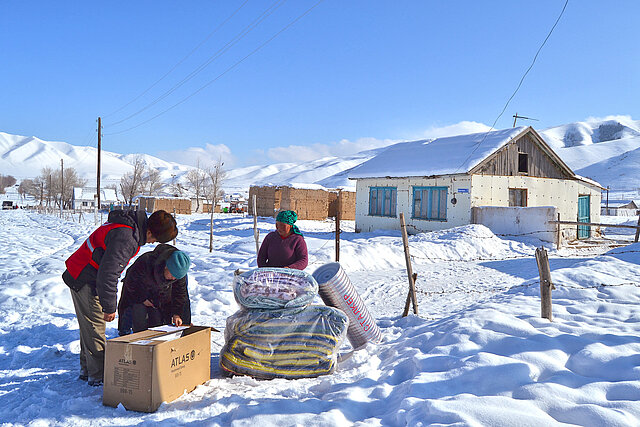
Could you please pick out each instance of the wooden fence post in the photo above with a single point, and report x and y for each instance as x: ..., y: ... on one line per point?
x: 256, y: 232
x: 637, y: 231
x: 338, y: 207
x: 412, y: 277
x: 174, y: 217
x: 545, y: 283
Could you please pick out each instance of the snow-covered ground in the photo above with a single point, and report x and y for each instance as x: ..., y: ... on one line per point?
x: 478, y: 353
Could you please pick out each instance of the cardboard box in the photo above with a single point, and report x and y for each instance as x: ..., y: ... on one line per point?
x: 144, y: 369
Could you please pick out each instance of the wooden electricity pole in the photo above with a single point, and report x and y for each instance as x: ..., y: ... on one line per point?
x: 99, y: 149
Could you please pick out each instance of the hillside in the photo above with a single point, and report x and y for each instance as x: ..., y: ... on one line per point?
x: 606, y: 150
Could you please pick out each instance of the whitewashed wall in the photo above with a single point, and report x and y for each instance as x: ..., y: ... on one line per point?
x: 563, y: 194
x: 484, y: 190
x: 458, y: 214
x: 516, y: 221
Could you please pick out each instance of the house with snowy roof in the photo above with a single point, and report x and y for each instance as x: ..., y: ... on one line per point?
x: 447, y: 182
x: 620, y: 207
x: 85, y: 198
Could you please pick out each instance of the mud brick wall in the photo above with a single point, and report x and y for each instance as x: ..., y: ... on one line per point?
x: 267, y: 200
x: 308, y: 204
x: 348, y: 207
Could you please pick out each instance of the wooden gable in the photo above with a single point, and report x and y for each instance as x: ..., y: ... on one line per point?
x: 526, y: 155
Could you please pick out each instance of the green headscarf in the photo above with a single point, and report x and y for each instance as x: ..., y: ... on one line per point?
x: 289, y: 217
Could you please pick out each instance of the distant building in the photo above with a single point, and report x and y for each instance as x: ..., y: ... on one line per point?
x: 437, y: 184
x: 309, y: 203
x: 620, y: 208
x: 84, y: 198
x: 178, y: 205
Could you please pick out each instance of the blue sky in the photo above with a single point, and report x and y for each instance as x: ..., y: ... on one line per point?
x: 350, y: 75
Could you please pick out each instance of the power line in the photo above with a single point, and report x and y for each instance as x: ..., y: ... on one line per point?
x: 519, y: 84
x: 218, y: 54
x: 179, y: 62
x: 224, y: 72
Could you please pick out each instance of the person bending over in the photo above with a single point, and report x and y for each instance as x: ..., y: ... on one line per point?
x: 92, y: 274
x: 155, y: 290
x: 284, y: 247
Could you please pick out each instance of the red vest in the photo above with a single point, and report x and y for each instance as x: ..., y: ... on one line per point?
x: 84, y: 255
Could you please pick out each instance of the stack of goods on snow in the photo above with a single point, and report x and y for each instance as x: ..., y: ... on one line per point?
x: 277, y: 333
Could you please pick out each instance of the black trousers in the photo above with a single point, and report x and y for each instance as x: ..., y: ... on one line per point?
x: 144, y: 317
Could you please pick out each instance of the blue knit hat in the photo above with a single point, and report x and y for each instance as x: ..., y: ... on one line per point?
x: 178, y: 264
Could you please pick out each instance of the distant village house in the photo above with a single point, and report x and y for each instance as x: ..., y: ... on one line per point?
x: 84, y: 198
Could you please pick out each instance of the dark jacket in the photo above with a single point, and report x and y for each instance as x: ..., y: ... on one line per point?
x: 145, y: 280
x: 121, y: 245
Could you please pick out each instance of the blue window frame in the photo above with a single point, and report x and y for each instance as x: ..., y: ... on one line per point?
x: 430, y: 203
x: 382, y: 201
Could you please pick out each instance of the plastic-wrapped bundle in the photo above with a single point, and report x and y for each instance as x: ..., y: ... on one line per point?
x: 294, y: 343
x: 274, y: 288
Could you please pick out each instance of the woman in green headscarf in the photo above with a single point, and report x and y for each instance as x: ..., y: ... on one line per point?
x: 284, y: 247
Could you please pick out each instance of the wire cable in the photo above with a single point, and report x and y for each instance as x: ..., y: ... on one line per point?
x: 179, y: 62
x: 519, y: 85
x: 218, y: 54
x: 224, y: 72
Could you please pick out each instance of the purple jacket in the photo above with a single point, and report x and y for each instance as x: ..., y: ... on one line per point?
x: 278, y: 252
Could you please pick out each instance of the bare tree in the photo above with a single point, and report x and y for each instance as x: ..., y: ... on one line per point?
x: 29, y: 187
x: 63, y: 191
x: 151, y: 181
x: 45, y: 180
x: 131, y: 182
x: 214, y: 192
x: 6, y: 181
x: 197, y: 179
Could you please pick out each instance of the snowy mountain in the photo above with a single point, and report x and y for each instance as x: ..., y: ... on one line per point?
x: 606, y: 150
x: 24, y: 157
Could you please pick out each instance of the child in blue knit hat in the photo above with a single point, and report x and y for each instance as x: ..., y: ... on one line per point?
x: 155, y: 291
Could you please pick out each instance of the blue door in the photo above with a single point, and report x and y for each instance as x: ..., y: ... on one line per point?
x: 584, y: 215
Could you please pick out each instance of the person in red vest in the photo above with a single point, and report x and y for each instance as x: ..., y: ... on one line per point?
x: 93, y: 272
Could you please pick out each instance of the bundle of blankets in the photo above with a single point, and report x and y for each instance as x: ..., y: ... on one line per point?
x: 277, y: 333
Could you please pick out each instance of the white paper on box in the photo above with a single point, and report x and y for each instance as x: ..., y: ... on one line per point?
x: 141, y: 342
x: 169, y: 337
x: 168, y: 328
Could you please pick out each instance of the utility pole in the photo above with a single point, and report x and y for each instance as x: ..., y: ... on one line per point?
x: 516, y: 117
x: 99, y: 148
x: 61, y: 184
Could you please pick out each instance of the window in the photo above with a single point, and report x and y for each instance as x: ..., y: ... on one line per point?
x: 523, y: 163
x: 430, y: 203
x: 518, y: 197
x: 382, y: 201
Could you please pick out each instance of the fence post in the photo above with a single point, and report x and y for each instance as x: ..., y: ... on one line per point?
x: 174, y: 217
x: 637, y: 230
x: 256, y: 232
x: 412, y: 277
x: 545, y: 283
x: 338, y: 207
